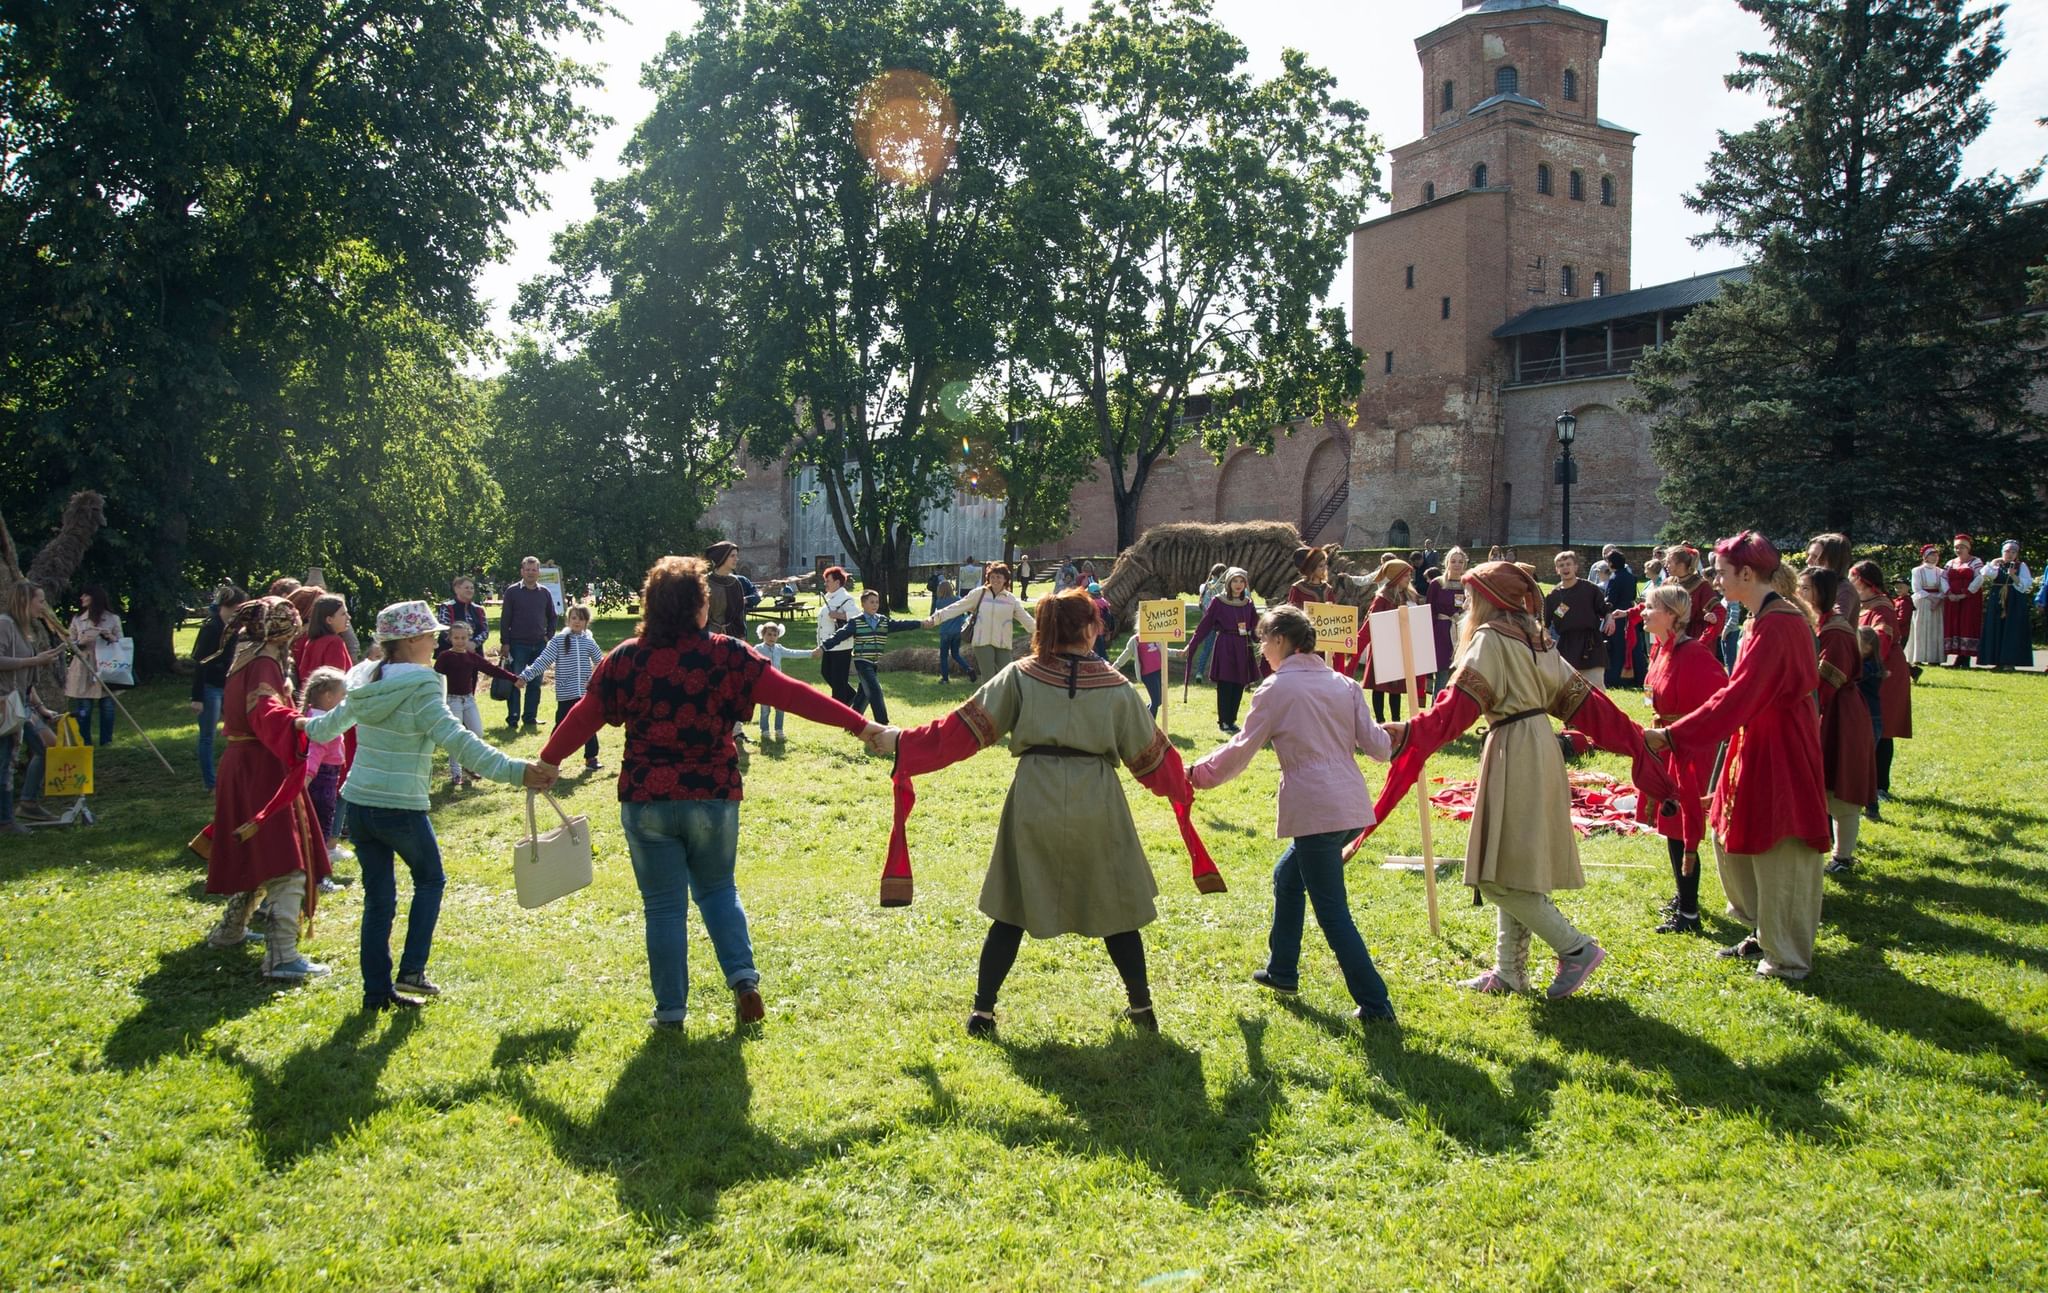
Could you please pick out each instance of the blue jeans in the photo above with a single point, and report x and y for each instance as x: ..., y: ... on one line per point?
x: 869, y: 688
x: 682, y: 847
x: 209, y: 726
x: 379, y: 833
x: 32, y: 775
x: 1314, y: 865
x: 524, y: 654
x: 949, y: 651
x: 82, y: 711
x: 1153, y: 686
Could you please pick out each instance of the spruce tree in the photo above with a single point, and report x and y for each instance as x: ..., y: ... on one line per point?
x: 1874, y: 373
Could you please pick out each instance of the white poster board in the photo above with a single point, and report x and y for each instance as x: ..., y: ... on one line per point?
x: 551, y: 579
x: 1390, y: 646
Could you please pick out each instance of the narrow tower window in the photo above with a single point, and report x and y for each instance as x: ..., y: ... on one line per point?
x: 1571, y: 86
x: 1411, y: 278
x: 1479, y: 176
x: 1599, y: 282
x: 1429, y: 192
x: 1567, y: 281
x: 1578, y: 187
x: 1507, y: 81
x: 1606, y: 190
x: 1447, y: 307
x: 1543, y: 179
x: 1450, y: 96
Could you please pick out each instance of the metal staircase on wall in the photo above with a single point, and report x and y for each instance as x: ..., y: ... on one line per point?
x: 1334, y: 499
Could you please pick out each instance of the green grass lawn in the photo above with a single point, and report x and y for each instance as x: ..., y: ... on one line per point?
x: 174, y: 1122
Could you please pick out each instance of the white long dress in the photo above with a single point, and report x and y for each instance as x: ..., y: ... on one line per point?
x: 1930, y: 593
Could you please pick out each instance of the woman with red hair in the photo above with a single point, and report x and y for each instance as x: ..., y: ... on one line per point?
x: 1067, y: 858
x: 1770, y: 811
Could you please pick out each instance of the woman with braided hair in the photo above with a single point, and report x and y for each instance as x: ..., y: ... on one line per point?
x: 255, y: 851
x: 1066, y: 858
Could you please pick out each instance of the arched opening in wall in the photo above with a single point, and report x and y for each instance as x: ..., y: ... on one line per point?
x: 1429, y: 192
x: 1571, y: 86
x: 1245, y: 490
x: 1397, y: 535
x: 1479, y: 176
x: 1404, y: 450
x: 1507, y: 81
x: 1543, y: 179
x: 1325, y: 473
x: 1606, y: 190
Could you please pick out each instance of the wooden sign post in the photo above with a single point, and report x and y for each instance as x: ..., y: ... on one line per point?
x: 1163, y: 623
x: 1404, y: 651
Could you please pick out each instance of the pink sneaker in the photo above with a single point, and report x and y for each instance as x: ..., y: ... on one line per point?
x: 1574, y: 970
x: 1489, y: 982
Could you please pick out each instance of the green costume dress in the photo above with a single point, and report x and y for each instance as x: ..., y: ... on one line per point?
x: 1067, y: 858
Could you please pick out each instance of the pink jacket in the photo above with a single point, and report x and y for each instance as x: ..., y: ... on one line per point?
x: 330, y: 753
x: 1318, y: 722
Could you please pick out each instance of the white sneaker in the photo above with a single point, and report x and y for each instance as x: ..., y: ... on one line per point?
x: 336, y: 853
x: 329, y: 885
x: 296, y: 969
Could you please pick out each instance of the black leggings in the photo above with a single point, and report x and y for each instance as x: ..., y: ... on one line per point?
x: 837, y: 665
x: 1688, y: 885
x: 999, y: 953
x: 1229, y: 695
x: 1392, y: 700
x: 1885, y: 750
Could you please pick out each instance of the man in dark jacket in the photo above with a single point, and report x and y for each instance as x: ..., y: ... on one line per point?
x: 526, y: 620
x: 1621, y: 594
x: 210, y: 677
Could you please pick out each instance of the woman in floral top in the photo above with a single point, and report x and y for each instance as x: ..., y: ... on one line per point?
x: 679, y: 691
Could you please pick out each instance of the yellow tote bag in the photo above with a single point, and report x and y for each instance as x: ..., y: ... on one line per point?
x: 67, y: 766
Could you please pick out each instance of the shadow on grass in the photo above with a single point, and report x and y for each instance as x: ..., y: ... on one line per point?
x: 1141, y: 1096
x: 1785, y: 1093
x: 321, y: 1091
x: 191, y: 991
x: 1460, y: 1098
x: 674, y: 1132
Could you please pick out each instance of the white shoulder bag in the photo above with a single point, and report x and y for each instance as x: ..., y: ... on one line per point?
x: 546, y: 867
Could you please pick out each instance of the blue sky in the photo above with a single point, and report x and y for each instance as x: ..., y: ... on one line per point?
x: 1661, y: 76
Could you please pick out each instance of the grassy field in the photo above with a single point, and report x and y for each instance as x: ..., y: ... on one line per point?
x: 174, y: 1122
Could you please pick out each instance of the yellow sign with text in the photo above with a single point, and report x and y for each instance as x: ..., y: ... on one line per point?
x: 1164, y: 621
x: 1336, y: 626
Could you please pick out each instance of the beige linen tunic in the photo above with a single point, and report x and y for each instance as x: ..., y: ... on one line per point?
x: 1067, y: 859
x: 1522, y: 811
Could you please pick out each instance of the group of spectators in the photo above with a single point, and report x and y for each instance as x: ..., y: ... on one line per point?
x: 47, y: 670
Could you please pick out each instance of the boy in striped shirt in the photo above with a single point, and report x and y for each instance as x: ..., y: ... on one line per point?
x: 575, y: 655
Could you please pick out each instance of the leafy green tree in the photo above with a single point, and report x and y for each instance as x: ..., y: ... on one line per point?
x: 855, y: 182
x: 1215, y: 211
x: 600, y: 490
x: 200, y: 197
x: 1873, y: 376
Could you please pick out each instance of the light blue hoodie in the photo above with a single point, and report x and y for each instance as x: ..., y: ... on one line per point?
x: 400, y: 719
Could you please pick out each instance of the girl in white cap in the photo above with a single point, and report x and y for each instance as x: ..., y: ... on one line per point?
x: 400, y: 710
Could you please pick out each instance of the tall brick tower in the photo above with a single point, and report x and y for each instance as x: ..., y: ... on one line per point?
x: 1517, y: 196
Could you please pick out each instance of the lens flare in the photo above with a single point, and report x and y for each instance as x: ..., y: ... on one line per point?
x: 905, y: 125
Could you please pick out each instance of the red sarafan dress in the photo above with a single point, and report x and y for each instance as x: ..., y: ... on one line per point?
x: 1772, y: 783
x: 1682, y: 677
x: 1962, y: 620
x: 263, y: 750
x: 1847, y: 746
x: 1895, y: 695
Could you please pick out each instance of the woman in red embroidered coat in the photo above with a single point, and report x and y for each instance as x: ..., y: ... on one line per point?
x: 1848, y: 747
x: 1314, y: 587
x: 1683, y: 563
x: 1066, y: 857
x: 1880, y: 614
x: 284, y: 856
x: 1684, y: 672
x: 1770, y: 811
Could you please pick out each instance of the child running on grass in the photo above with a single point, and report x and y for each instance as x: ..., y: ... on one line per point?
x: 1151, y: 658
x: 396, y: 705
x: 870, y: 632
x: 575, y: 655
x: 460, y: 662
x: 771, y: 646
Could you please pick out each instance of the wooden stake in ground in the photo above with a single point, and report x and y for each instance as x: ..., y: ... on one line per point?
x: 1404, y: 651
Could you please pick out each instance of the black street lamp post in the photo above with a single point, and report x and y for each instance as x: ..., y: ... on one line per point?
x: 1567, y: 468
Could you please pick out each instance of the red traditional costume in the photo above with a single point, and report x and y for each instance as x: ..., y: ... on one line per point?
x: 1962, y: 621
x: 1770, y: 811
x: 1682, y: 677
x: 1708, y: 615
x: 264, y: 835
x: 1881, y: 615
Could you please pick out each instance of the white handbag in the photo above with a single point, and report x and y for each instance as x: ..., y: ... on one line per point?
x: 114, y: 662
x: 545, y: 867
